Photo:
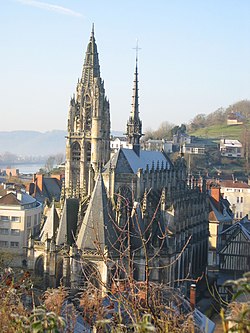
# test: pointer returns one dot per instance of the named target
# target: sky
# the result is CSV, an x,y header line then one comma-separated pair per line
x,y
194,58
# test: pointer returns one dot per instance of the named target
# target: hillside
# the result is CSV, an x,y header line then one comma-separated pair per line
x,y
33,143
214,125
220,131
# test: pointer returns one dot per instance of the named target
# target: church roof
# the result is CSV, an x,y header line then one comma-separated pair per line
x,y
51,223
127,161
68,222
96,230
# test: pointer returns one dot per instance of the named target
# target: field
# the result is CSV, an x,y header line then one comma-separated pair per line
x,y
221,131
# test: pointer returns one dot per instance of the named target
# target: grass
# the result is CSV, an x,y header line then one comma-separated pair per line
x,y
220,131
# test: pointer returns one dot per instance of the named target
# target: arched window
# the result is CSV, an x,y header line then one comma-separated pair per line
x,y
76,151
39,266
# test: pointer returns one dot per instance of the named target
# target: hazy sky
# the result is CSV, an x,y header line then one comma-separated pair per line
x,y
194,58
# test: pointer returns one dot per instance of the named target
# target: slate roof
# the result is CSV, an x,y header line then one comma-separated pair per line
x,y
127,161
51,223
68,222
51,190
97,229
220,211
243,225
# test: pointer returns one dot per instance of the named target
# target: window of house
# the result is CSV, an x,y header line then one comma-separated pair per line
x,y
15,232
241,215
28,221
241,199
238,199
4,218
4,231
4,244
35,219
15,218
14,244
237,215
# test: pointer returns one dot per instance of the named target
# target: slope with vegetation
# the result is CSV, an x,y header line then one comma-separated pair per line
x,y
214,125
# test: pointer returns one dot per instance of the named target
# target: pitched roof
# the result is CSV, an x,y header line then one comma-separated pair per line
x,y
51,189
96,230
234,184
10,199
220,211
51,223
127,161
243,225
68,222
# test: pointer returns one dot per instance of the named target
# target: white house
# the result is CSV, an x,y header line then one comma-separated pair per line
x,y
160,145
118,142
20,215
231,148
238,194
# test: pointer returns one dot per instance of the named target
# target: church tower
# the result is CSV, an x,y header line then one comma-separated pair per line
x,y
87,146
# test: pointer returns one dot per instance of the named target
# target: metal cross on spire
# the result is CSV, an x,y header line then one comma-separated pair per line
x,y
137,48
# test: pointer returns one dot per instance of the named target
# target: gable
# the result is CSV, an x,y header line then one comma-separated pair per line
x,y
9,199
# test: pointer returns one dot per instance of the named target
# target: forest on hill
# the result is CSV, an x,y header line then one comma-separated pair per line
x,y
212,125
240,110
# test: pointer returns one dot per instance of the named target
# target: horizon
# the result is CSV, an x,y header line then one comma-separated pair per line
x,y
193,59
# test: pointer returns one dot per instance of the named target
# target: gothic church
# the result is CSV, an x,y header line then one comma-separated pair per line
x,y
135,213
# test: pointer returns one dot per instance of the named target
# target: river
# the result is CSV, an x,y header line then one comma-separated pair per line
x,y
24,168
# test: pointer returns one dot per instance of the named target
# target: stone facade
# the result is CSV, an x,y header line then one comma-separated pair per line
x,y
88,139
136,213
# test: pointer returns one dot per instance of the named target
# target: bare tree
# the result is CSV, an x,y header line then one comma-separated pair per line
x,y
50,163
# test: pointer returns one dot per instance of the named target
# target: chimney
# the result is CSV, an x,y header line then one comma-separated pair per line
x,y
19,196
39,182
193,295
215,193
57,176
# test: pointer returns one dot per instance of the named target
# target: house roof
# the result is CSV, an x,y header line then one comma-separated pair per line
x,y
10,199
230,143
233,184
51,189
220,210
13,199
243,225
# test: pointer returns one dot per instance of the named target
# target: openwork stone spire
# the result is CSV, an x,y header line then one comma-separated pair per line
x,y
87,146
91,67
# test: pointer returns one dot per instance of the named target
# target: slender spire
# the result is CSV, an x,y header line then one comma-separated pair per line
x,y
134,124
91,67
135,97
